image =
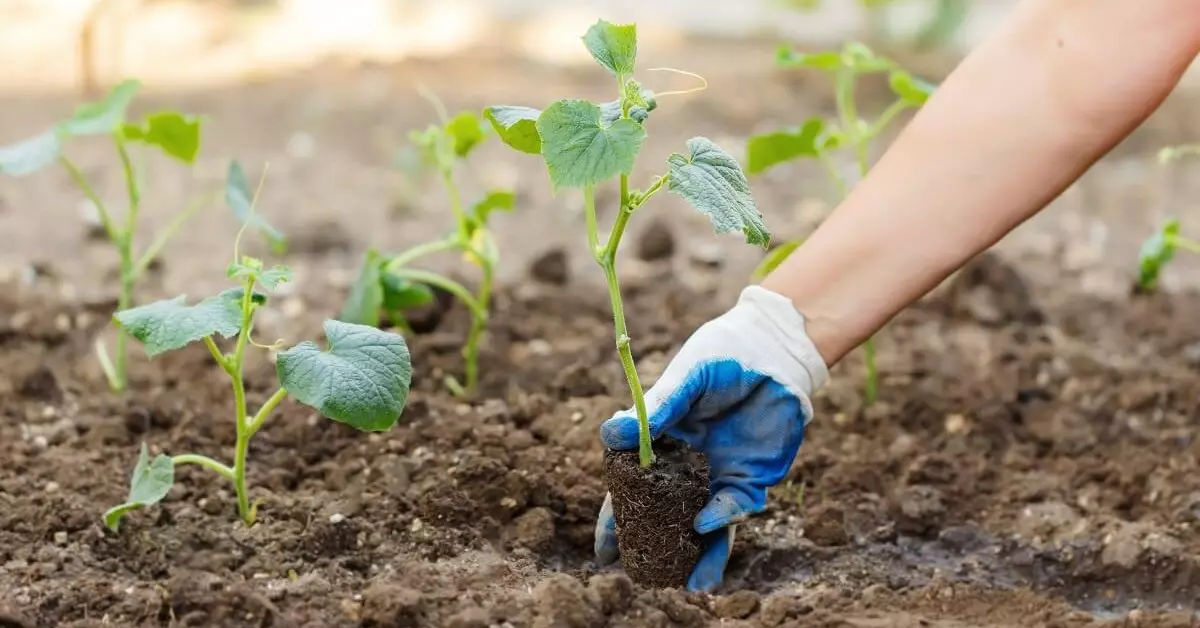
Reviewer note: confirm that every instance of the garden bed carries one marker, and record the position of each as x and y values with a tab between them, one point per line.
1032	459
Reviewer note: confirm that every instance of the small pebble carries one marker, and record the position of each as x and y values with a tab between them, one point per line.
52	487
60	538
416	525
337	518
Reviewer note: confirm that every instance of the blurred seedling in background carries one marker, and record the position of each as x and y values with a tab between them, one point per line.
389	285
361	379
585	144
945	20
821	139
175	134
1159	249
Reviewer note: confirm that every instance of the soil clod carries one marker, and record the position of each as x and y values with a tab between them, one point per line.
551	267
656	242
655	509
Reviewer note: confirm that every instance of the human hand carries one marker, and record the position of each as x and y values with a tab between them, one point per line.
738	390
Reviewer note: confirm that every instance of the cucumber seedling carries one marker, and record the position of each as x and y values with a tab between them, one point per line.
390	284
1159	249
586	144
361	380
173	133
819	138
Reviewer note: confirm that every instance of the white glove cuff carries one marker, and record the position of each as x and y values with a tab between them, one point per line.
777	317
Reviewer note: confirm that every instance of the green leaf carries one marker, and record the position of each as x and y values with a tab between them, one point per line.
828	60
103	116
172	324
467	132
613	46
910	89
774	258
362	380
579	150
275	275
496	200
1156	252
400	294
713	182
240	199
176	134
366	295
516	126
863	60
771	149
31	155
150	483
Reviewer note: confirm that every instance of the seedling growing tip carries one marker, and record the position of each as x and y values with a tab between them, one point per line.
174	134
1158	250
586	144
820	139
391	285
361	379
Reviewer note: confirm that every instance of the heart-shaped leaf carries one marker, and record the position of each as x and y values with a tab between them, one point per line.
613	46
362	380
516	126
172	324
175	134
150	483
713	182
579	150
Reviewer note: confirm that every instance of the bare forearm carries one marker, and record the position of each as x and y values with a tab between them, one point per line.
1054	89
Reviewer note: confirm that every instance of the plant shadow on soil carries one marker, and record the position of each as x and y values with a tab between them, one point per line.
1025	467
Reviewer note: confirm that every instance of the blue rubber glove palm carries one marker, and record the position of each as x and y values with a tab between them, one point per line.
738	390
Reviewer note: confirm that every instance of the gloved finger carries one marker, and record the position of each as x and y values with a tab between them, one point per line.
732	504
606	533
667	403
710	569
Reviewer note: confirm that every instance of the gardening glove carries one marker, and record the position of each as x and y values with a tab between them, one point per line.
738	390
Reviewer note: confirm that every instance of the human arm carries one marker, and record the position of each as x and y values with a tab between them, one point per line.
1023	116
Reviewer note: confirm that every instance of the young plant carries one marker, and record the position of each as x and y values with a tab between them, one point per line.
587	144
945	20
1159	249
361	380
820	139
174	134
391	285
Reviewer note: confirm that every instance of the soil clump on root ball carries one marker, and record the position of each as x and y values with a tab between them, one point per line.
655	509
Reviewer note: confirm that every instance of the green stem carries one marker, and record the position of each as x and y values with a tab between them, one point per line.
837	177
886	118
260	417
217	355
478	325
449	285
1184	243
169	232
455	202
90	193
204	461
239	401
608	263
421	250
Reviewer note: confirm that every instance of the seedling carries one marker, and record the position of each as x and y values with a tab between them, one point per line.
586	144
820	139
390	285
946	19
361	380
175	134
1159	249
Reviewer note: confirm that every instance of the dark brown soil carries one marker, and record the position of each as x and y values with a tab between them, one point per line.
655	509
1033	459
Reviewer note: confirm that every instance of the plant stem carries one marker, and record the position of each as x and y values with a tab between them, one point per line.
449	285
204	461
260	417
421	250
239	400
478	325
172	228
607	259
1184	243
88	191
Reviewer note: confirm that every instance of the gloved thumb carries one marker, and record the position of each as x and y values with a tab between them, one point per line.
731	505
710	569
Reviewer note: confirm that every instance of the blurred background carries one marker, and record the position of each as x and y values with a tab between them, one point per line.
326	92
